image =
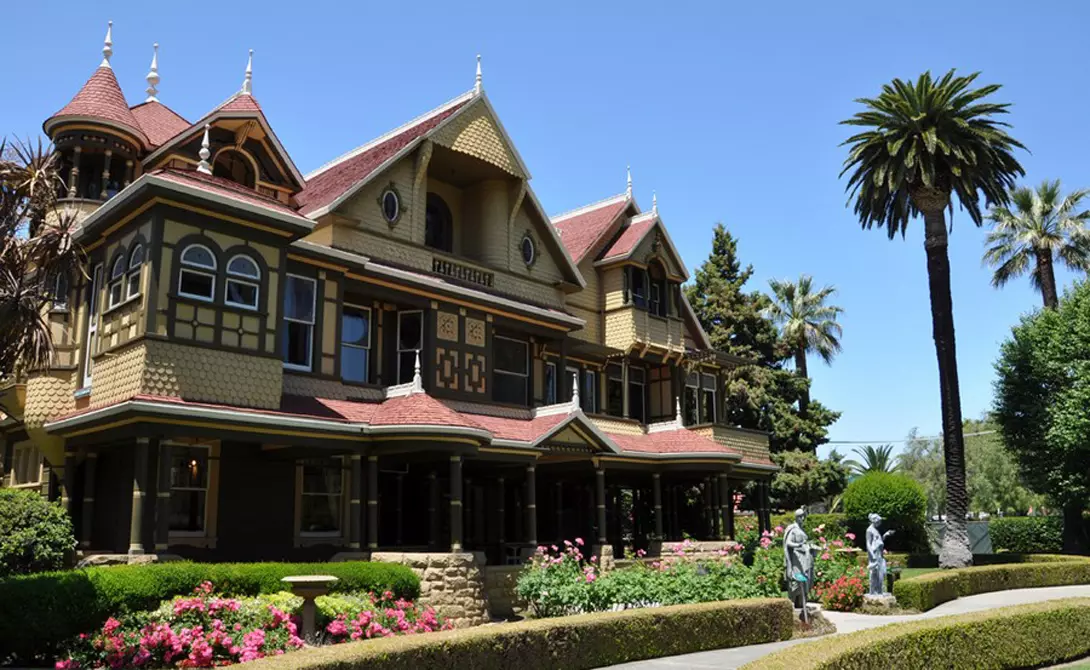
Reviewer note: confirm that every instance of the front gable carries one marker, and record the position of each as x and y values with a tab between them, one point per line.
476	132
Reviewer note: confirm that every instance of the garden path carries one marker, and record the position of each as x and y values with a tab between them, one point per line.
847	622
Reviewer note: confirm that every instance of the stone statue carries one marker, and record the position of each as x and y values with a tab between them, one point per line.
798	561
876	560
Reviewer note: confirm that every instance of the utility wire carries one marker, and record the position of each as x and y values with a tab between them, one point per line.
905	441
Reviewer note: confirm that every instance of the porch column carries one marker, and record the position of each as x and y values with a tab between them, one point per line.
433	510
68	500
600	489
501	514
105	174
355	493
162	498
725	505
73	176
372	503
730	509
139	493
531	506
455	504
656	495
400	508
88	521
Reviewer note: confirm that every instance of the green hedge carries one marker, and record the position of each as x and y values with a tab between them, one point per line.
572	643
1027	534
1026	636
899	500
934	588
39	612
835	524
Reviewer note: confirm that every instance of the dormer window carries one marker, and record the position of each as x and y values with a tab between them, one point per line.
243	284
438	224
236	166
197	276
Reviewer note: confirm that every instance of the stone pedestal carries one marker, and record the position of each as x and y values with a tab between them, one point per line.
604	552
452	584
883	601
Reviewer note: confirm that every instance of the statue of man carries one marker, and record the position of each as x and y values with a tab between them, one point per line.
876	560
798	561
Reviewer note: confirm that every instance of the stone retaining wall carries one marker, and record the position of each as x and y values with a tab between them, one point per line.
500	582
452	584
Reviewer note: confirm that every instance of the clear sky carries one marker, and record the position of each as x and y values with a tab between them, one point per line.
728	110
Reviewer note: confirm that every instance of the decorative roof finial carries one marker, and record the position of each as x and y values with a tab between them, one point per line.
628	189
654	203
418	379
677	411
477	84
108	46
575	403
248	82
205	153
153	75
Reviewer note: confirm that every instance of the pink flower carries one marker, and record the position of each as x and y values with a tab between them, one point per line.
779	529
850	536
579	541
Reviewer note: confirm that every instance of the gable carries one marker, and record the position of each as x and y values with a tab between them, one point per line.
653	246
643	239
477	133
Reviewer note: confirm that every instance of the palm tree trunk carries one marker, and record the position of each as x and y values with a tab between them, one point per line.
800	369
955	545
1047	275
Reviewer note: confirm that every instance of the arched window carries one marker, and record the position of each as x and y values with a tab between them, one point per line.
136	262
243	284
438	224
236	166
117	280
197	275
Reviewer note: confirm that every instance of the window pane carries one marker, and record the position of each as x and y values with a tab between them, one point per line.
322	475
134	284
550	384
406	366
299	299
707	406
118	268
410	328
614	397
136	257
636	375
200	256
635	401
241	265
196	284
189	467
509	389
588	393
187	510
320	514
115	293
241	294
297	349
691	416
510	355
354	364
355	326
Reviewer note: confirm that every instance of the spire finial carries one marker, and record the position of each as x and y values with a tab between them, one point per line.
654	202
205	153
418	379
677	411
248	81
153	75
108	45
628	189
575	403
477	83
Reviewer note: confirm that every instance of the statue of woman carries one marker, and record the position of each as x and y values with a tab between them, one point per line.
798	561
876	560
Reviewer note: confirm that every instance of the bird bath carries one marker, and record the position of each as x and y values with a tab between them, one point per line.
309	587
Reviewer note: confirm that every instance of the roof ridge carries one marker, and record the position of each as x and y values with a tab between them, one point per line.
390	134
613	199
645	216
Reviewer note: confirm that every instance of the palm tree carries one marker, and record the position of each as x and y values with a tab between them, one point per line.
1042	226
807	323
872	459
922	142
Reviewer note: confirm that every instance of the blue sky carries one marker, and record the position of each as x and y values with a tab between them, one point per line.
728	110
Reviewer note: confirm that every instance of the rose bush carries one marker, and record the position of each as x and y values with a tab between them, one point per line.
845	593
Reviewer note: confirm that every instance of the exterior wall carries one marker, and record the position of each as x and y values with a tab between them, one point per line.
588	304
126	321
48	395
475	133
752	444
452	584
462	350
612	289
619	426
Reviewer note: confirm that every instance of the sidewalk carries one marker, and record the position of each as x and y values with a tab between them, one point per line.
846	622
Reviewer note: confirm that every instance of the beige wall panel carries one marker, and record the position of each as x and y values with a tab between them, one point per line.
592	332
545	269
613	287
590	297
365	208
211	375
118	375
48	397
174	231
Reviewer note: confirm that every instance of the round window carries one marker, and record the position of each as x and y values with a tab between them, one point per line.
391	205
529	250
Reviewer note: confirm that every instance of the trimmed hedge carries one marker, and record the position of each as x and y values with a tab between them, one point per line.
899	500
934	588
40	612
1027	534
573	643
1024	636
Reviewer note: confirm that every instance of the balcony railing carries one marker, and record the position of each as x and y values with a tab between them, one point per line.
466	273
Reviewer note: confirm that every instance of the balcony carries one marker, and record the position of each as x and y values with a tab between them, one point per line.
462	272
752	444
630	326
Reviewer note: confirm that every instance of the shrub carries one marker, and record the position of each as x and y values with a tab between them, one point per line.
845	593
1026	636
1027	534
900	501
39	612
834	525
573	643
35	535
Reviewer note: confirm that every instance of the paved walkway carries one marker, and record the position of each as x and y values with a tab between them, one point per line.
846	622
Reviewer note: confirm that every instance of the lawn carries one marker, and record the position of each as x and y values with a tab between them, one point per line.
908	573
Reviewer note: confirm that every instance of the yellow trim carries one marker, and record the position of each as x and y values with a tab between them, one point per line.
117	129
498	450
102	237
321	264
455	301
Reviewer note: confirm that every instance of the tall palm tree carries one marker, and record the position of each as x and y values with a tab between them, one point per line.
922	142
808	324
1040	227
872	459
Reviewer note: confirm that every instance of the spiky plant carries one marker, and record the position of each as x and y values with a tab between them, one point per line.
921	143
872	459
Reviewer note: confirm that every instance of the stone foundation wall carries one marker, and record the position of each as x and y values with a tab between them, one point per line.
499	583
452	584
697	549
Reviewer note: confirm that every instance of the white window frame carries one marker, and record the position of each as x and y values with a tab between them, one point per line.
643	392
364	347
118	277
546	383
310	330
60	297
26	459
341	507
238	278
207	489
420	342
197	269
525	376
397	206
134	272
92	323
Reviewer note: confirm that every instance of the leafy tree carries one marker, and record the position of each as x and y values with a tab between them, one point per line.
36	246
872	459
807	323
804	479
922	461
1043	226
1042	396
920	144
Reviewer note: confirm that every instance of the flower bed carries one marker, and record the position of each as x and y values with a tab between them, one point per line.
1025	636
206	630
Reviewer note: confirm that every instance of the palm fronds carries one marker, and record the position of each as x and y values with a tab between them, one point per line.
806	321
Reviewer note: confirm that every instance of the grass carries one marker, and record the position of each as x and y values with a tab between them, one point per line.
909	573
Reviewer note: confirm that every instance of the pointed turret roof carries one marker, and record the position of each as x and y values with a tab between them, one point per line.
100	100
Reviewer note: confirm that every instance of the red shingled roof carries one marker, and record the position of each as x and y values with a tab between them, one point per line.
223	187
419	409
627	240
522	430
580	229
328	184
680	441
101	98
240	102
159	122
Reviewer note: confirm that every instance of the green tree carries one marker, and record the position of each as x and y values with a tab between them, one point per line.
922	460
921	143
804	479
807	324
1041	227
872	459
1042	396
